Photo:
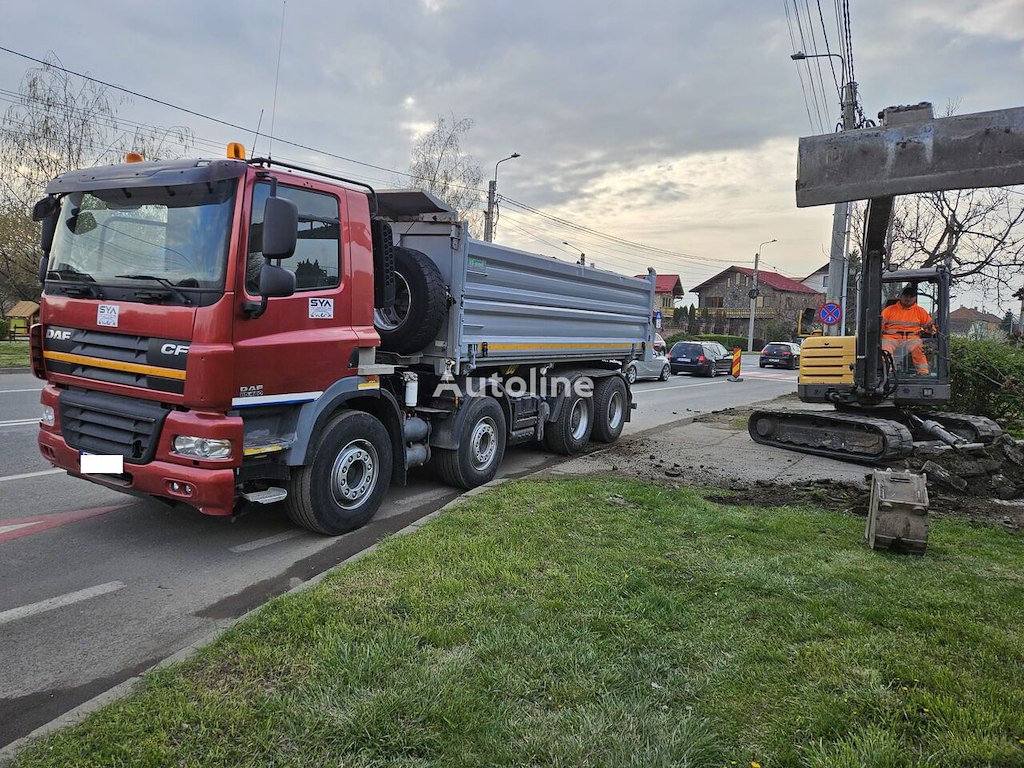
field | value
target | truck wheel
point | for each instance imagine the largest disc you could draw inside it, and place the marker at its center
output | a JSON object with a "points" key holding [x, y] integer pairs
{"points": [[421, 304], [610, 403], [569, 433], [347, 479], [481, 441]]}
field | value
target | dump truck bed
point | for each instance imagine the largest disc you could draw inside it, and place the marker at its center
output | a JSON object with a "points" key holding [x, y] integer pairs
{"points": [[511, 307]]}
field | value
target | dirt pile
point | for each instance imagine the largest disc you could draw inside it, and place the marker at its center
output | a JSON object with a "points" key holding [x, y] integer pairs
{"points": [[985, 485], [995, 471]]}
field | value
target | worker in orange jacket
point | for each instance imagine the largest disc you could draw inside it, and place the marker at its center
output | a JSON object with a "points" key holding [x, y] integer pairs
{"points": [[902, 326]]}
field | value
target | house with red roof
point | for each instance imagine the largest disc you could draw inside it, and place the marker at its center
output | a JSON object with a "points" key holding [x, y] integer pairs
{"points": [[974, 322], [726, 299], [667, 289]]}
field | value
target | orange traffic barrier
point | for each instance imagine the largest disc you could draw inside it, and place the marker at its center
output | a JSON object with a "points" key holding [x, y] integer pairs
{"points": [[736, 355]]}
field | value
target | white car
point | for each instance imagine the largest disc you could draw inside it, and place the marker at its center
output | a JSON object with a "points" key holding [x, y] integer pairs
{"points": [[658, 368]]}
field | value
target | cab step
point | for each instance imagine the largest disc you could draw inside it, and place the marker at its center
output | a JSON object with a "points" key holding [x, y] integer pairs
{"points": [[266, 496]]}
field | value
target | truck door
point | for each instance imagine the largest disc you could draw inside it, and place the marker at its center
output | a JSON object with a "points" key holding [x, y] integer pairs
{"points": [[303, 342]]}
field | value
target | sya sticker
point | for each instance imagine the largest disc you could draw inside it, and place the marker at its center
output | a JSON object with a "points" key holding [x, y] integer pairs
{"points": [[106, 315], [321, 309]]}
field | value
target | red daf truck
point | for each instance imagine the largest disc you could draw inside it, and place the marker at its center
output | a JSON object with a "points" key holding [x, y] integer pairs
{"points": [[236, 331]]}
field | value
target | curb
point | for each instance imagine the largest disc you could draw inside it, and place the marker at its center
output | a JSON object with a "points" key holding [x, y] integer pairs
{"points": [[14, 370]]}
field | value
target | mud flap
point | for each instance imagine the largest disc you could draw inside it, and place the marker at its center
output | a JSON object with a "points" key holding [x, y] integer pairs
{"points": [[898, 512]]}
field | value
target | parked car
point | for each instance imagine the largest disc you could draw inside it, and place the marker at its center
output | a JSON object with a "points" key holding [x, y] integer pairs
{"points": [[657, 368], [707, 358], [783, 354], [660, 348]]}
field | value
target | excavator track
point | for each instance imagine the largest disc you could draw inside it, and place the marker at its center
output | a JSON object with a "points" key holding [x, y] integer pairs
{"points": [[974, 429], [842, 436]]}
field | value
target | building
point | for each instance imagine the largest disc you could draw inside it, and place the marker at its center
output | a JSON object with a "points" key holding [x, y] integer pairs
{"points": [[667, 289], [975, 323], [726, 297]]}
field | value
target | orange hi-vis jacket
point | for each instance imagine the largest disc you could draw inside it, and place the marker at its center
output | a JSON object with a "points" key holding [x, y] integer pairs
{"points": [[900, 323]]}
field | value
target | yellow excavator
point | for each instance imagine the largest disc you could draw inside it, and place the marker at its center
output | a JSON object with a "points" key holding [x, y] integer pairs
{"points": [[881, 398]]}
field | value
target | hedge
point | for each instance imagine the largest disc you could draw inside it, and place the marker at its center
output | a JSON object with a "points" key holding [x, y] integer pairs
{"points": [[987, 379]]}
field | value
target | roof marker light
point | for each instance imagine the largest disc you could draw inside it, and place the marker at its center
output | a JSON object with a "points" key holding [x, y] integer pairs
{"points": [[133, 157], [236, 151]]}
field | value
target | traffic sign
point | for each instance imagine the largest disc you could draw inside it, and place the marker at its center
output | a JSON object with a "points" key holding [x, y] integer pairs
{"points": [[830, 313]]}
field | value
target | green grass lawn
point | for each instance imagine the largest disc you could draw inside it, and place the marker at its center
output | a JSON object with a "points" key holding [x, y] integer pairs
{"points": [[13, 354], [606, 622]]}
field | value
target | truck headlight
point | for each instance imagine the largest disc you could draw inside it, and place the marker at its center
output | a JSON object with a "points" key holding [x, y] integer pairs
{"points": [[48, 417], [201, 447]]}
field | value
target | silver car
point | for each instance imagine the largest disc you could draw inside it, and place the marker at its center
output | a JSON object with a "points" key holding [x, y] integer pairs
{"points": [[658, 368]]}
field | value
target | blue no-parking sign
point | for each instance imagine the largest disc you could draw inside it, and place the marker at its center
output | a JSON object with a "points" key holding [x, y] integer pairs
{"points": [[830, 313]]}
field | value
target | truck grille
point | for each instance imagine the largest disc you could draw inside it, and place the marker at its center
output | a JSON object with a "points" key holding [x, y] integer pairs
{"points": [[101, 423], [134, 361]]}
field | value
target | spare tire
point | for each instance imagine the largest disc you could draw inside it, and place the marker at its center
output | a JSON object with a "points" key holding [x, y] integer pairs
{"points": [[421, 304]]}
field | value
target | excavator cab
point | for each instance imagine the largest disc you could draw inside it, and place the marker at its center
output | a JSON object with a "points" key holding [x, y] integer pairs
{"points": [[876, 380]]}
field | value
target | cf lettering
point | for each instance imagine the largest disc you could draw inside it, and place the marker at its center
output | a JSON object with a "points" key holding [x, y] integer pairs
{"points": [[174, 349]]}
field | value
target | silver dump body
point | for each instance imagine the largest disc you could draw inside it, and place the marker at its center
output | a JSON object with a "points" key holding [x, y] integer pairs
{"points": [[511, 307]]}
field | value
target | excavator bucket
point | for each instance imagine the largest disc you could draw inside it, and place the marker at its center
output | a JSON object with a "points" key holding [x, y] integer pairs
{"points": [[911, 152]]}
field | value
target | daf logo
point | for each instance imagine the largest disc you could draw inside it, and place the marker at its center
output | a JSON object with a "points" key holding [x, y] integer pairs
{"points": [[58, 333], [174, 349]]}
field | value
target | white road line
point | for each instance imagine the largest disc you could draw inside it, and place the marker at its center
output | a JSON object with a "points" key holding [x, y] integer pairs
{"points": [[259, 543], [31, 474], [15, 527], [9, 391], [18, 422], [14, 614]]}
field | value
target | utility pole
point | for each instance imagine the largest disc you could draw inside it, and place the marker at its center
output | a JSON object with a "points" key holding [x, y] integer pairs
{"points": [[753, 296], [837, 265]]}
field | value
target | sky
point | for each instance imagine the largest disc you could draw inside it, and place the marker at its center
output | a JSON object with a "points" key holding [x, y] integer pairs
{"points": [[656, 133]]}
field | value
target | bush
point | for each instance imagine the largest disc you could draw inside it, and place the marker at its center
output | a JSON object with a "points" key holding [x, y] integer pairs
{"points": [[729, 342], [987, 379], [4, 327]]}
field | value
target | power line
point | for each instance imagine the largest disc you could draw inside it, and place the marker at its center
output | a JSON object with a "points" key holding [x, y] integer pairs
{"points": [[161, 102]]}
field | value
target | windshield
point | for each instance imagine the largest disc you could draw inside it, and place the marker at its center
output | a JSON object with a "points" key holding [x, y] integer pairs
{"points": [[166, 244]]}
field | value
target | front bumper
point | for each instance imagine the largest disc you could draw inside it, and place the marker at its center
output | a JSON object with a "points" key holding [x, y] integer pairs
{"points": [[212, 491]]}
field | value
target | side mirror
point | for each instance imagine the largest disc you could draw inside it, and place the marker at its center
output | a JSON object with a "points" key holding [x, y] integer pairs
{"points": [[280, 228], [46, 212], [42, 268], [276, 282]]}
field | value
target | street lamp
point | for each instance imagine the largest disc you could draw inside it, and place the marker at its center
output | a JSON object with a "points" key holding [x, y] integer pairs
{"points": [[491, 187], [583, 257], [753, 296]]}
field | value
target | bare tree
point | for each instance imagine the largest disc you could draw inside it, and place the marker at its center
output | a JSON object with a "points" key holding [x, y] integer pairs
{"points": [[59, 122], [439, 166]]}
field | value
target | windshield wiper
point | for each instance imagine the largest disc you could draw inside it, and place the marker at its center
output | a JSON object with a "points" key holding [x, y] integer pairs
{"points": [[163, 281], [83, 284]]}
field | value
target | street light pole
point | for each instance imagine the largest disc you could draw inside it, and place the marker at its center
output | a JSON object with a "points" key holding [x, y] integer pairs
{"points": [[492, 187], [753, 296], [583, 257], [837, 263]]}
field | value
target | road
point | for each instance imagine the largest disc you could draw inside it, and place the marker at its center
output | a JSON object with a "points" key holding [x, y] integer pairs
{"points": [[99, 586]]}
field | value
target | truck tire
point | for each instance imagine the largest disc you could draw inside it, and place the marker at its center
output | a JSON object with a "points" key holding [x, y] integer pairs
{"points": [[481, 441], [610, 404], [569, 433], [346, 481], [421, 304]]}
